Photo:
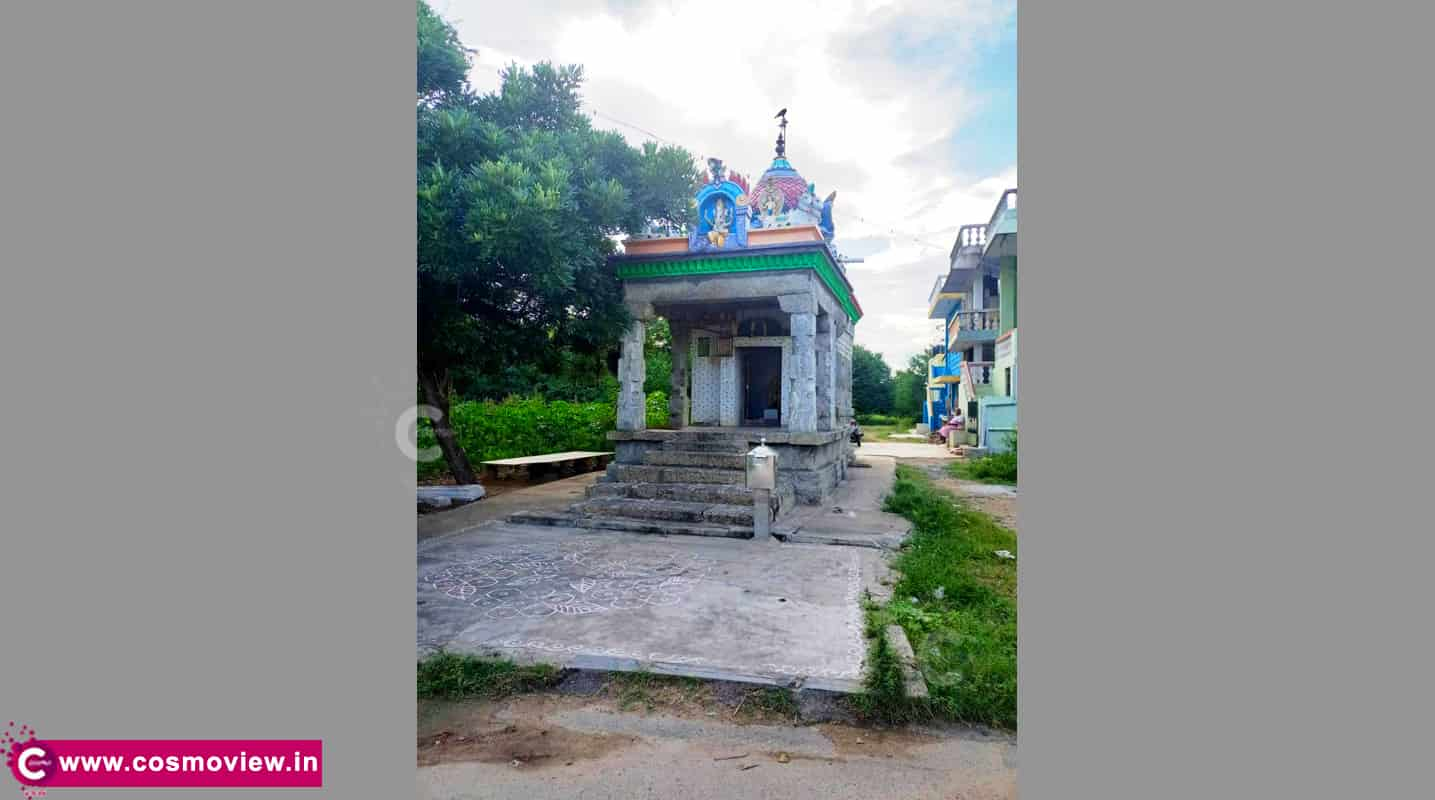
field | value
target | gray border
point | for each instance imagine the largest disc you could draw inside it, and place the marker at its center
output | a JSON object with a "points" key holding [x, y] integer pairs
{"points": [[206, 218], [1212, 600], [207, 317]]}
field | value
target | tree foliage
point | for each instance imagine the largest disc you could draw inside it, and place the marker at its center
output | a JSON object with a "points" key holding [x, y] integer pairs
{"points": [[520, 201], [909, 388], [871, 382], [442, 61]]}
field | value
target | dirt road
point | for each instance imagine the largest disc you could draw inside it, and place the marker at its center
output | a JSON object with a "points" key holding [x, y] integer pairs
{"points": [[563, 746]]}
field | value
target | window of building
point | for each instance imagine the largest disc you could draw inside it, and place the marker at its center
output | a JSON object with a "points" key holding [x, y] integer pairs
{"points": [[1008, 382], [704, 347]]}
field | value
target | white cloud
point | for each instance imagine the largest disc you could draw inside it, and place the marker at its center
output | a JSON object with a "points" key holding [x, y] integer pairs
{"points": [[874, 91]]}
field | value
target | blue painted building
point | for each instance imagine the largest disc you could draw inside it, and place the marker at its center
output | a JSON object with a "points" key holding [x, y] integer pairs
{"points": [[973, 368]]}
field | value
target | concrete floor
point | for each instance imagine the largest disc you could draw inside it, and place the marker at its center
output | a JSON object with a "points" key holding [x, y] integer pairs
{"points": [[854, 515], [758, 611], [746, 610], [903, 450]]}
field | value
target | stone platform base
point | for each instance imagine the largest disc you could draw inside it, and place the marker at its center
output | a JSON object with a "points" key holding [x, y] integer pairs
{"points": [[810, 465]]}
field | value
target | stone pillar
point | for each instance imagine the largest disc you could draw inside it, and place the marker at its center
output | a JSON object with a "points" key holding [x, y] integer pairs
{"points": [[843, 346], [826, 374], [803, 381], [678, 390], [632, 371]]}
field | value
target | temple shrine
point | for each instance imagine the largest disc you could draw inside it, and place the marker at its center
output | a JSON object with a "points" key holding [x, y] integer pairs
{"points": [[762, 317]]}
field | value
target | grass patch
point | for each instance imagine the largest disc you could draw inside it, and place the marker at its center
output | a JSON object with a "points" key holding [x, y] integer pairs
{"points": [[956, 601], [774, 701], [650, 690], [883, 432], [454, 676], [992, 468], [884, 695]]}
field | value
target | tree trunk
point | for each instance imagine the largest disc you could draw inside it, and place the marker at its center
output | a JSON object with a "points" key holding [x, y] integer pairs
{"points": [[435, 389]]}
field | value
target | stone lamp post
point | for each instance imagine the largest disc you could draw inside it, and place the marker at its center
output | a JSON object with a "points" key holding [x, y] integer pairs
{"points": [[762, 480]]}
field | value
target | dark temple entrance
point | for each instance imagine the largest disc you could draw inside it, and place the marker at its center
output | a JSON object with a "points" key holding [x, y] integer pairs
{"points": [[762, 385]]}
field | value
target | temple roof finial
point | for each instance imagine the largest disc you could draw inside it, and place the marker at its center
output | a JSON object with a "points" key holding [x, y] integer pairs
{"points": [[782, 133]]}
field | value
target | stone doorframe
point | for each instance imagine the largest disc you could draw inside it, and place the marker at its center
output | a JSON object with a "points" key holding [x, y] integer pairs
{"points": [[784, 342]]}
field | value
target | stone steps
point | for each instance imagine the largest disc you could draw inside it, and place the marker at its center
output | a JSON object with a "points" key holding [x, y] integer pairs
{"points": [[651, 473], [726, 444], [659, 527], [695, 458], [665, 510], [687, 492]]}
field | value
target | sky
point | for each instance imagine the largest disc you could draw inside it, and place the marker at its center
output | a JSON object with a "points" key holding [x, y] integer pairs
{"points": [[906, 108]]}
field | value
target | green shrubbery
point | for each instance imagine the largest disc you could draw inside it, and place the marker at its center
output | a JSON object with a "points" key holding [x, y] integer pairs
{"points": [[956, 601], [993, 468], [877, 419], [530, 426]]}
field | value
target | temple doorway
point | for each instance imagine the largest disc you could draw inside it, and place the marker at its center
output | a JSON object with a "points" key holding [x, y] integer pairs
{"points": [[762, 385]]}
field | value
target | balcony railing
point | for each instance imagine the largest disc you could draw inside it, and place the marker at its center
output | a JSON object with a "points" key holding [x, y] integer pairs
{"points": [[972, 236], [973, 239], [977, 324], [1006, 203], [980, 371]]}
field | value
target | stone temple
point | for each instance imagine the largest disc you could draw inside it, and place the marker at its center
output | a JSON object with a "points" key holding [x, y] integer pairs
{"points": [[762, 316]]}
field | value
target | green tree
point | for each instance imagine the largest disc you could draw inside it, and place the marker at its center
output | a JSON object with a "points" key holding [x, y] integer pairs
{"points": [[909, 388], [443, 62], [658, 357], [871, 382], [519, 201]]}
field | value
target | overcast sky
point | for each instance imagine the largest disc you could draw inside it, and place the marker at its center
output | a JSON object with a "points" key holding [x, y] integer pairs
{"points": [[906, 109]]}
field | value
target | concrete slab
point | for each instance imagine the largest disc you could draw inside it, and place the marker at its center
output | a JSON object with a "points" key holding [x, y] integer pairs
{"points": [[904, 450], [751, 611], [854, 516]]}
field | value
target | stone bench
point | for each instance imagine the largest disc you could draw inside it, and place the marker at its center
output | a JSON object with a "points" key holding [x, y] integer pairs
{"points": [[571, 462]]}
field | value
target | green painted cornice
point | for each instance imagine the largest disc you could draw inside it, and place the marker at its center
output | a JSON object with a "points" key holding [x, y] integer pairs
{"points": [[683, 265]]}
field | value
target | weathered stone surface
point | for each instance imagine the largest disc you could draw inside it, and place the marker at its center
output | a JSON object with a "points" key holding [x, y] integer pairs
{"points": [[675, 510], [826, 374], [802, 416], [632, 372], [658, 527], [689, 458], [678, 388], [688, 492], [648, 473]]}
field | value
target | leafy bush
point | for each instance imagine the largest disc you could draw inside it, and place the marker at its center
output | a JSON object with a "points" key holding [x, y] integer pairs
{"points": [[956, 601], [992, 468], [877, 419], [657, 416], [530, 426]]}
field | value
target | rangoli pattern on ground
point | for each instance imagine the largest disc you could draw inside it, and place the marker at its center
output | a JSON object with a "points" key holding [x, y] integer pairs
{"points": [[849, 669], [575, 580]]}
